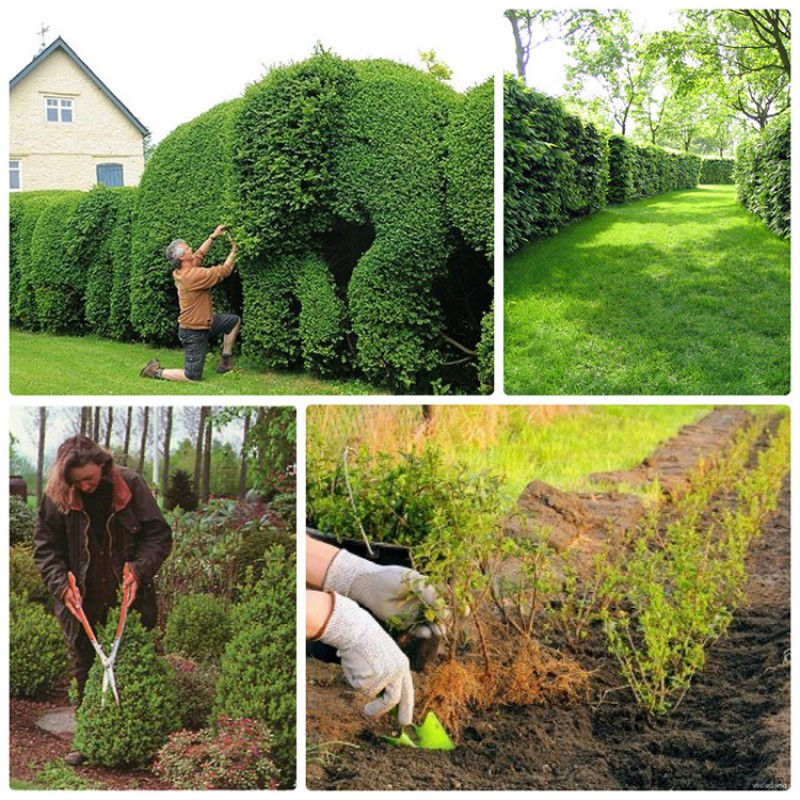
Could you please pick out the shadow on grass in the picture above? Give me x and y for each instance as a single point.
(687, 294)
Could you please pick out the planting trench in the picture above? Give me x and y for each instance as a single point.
(730, 732)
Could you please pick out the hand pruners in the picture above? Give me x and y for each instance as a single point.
(106, 661)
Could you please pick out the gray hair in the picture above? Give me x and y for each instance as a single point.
(175, 250)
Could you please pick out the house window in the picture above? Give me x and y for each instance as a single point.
(58, 109)
(14, 175)
(110, 175)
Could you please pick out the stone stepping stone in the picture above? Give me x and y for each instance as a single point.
(58, 721)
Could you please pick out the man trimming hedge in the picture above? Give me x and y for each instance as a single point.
(197, 322)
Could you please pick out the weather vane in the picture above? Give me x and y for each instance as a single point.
(42, 31)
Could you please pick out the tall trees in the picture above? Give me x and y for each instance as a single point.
(685, 86)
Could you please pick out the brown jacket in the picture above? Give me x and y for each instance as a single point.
(194, 286)
(138, 532)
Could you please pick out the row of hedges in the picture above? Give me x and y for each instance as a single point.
(355, 190)
(558, 168)
(717, 170)
(763, 175)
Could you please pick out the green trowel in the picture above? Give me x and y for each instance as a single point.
(431, 735)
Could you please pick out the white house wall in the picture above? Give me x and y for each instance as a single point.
(57, 155)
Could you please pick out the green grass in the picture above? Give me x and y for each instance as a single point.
(558, 445)
(42, 364)
(686, 293)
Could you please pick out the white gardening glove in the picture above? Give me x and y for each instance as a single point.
(389, 592)
(371, 661)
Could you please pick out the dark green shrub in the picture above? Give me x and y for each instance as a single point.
(235, 754)
(57, 274)
(128, 734)
(258, 678)
(195, 687)
(21, 521)
(539, 176)
(717, 170)
(24, 576)
(37, 653)
(198, 627)
(185, 192)
(99, 214)
(763, 175)
(621, 159)
(119, 323)
(180, 493)
(588, 148)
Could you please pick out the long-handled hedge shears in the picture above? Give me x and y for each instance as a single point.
(106, 661)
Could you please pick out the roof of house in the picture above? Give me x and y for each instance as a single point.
(60, 44)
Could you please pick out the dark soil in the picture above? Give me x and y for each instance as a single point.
(732, 730)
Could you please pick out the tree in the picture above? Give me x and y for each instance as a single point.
(621, 63)
(180, 493)
(143, 448)
(166, 449)
(40, 454)
(126, 447)
(248, 414)
(205, 412)
(740, 56)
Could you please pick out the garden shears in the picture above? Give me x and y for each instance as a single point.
(106, 661)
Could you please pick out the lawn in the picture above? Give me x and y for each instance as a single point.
(42, 364)
(560, 445)
(682, 294)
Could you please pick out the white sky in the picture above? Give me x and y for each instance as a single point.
(169, 62)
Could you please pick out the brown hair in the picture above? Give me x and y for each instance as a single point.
(77, 451)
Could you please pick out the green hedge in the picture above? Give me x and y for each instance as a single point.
(763, 175)
(356, 191)
(558, 168)
(717, 170)
(185, 193)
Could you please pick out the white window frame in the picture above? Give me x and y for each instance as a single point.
(18, 170)
(60, 104)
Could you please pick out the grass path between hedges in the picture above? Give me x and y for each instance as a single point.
(41, 364)
(686, 293)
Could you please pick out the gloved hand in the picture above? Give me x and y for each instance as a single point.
(389, 592)
(371, 661)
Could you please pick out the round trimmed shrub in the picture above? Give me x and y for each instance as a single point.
(131, 733)
(195, 685)
(198, 627)
(24, 576)
(21, 521)
(234, 754)
(258, 679)
(37, 653)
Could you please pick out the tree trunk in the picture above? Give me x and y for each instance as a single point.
(40, 454)
(206, 482)
(167, 444)
(109, 426)
(243, 471)
(96, 424)
(519, 49)
(127, 444)
(143, 448)
(198, 451)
